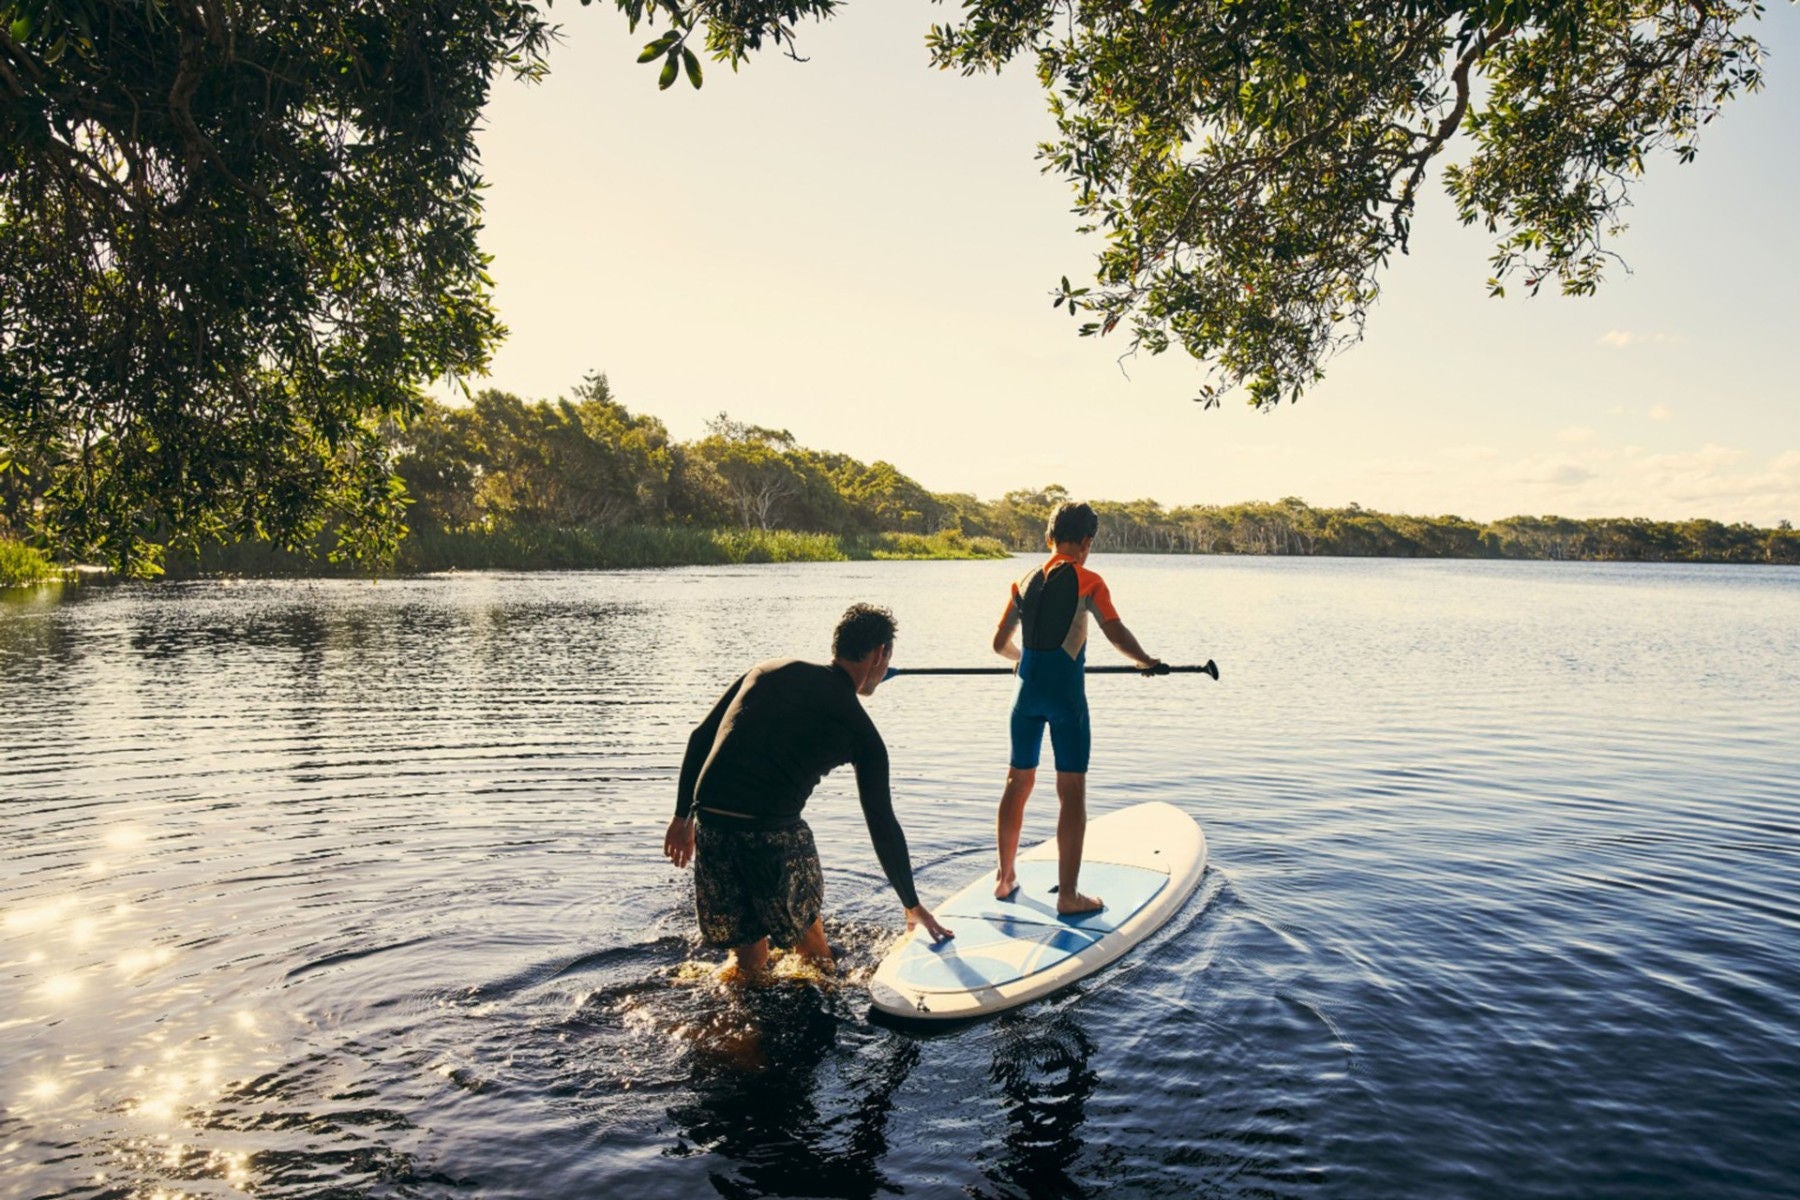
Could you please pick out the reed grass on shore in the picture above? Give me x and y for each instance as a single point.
(21, 565)
(566, 548)
(527, 547)
(946, 543)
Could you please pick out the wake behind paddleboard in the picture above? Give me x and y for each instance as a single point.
(1144, 861)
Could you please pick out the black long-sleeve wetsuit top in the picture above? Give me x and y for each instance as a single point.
(770, 739)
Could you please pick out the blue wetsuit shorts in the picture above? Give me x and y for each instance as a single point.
(1051, 692)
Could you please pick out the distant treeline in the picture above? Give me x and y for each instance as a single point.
(504, 482)
(1292, 526)
(586, 461)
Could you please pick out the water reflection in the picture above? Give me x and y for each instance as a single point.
(1042, 1068)
(43, 1090)
(37, 646)
(798, 1104)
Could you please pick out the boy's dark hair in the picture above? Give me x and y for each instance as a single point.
(1071, 522)
(865, 627)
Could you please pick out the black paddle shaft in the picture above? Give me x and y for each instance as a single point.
(1209, 668)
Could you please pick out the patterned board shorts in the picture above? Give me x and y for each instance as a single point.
(756, 883)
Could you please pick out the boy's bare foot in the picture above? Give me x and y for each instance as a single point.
(1005, 887)
(1076, 904)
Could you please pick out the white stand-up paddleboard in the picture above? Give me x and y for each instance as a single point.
(1143, 861)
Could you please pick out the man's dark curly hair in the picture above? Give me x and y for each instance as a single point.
(1071, 522)
(865, 627)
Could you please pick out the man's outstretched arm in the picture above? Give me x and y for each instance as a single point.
(678, 839)
(885, 832)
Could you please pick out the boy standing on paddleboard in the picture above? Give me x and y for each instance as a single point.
(1050, 608)
(749, 767)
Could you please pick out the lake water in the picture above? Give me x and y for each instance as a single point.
(346, 889)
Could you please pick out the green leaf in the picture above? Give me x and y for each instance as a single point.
(669, 71)
(692, 63)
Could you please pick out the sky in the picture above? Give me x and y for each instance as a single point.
(860, 249)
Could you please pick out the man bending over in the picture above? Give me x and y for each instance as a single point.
(749, 768)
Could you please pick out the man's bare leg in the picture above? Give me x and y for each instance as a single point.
(1007, 827)
(1071, 832)
(813, 947)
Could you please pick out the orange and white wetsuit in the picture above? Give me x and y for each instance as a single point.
(1050, 608)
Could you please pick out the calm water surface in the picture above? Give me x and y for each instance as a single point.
(318, 889)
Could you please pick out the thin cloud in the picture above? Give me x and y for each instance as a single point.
(1556, 473)
(1620, 339)
(1472, 453)
(1656, 412)
(1596, 480)
(1569, 474)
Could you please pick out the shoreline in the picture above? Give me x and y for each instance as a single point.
(525, 548)
(322, 570)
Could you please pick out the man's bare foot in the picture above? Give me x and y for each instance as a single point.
(748, 963)
(1005, 886)
(825, 965)
(734, 970)
(1075, 905)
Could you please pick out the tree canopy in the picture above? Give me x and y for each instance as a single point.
(1254, 164)
(236, 240)
(586, 460)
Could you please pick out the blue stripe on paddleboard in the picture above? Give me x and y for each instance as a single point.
(999, 941)
(993, 954)
(1125, 890)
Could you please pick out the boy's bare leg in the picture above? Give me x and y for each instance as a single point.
(1007, 826)
(752, 958)
(813, 947)
(1071, 832)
